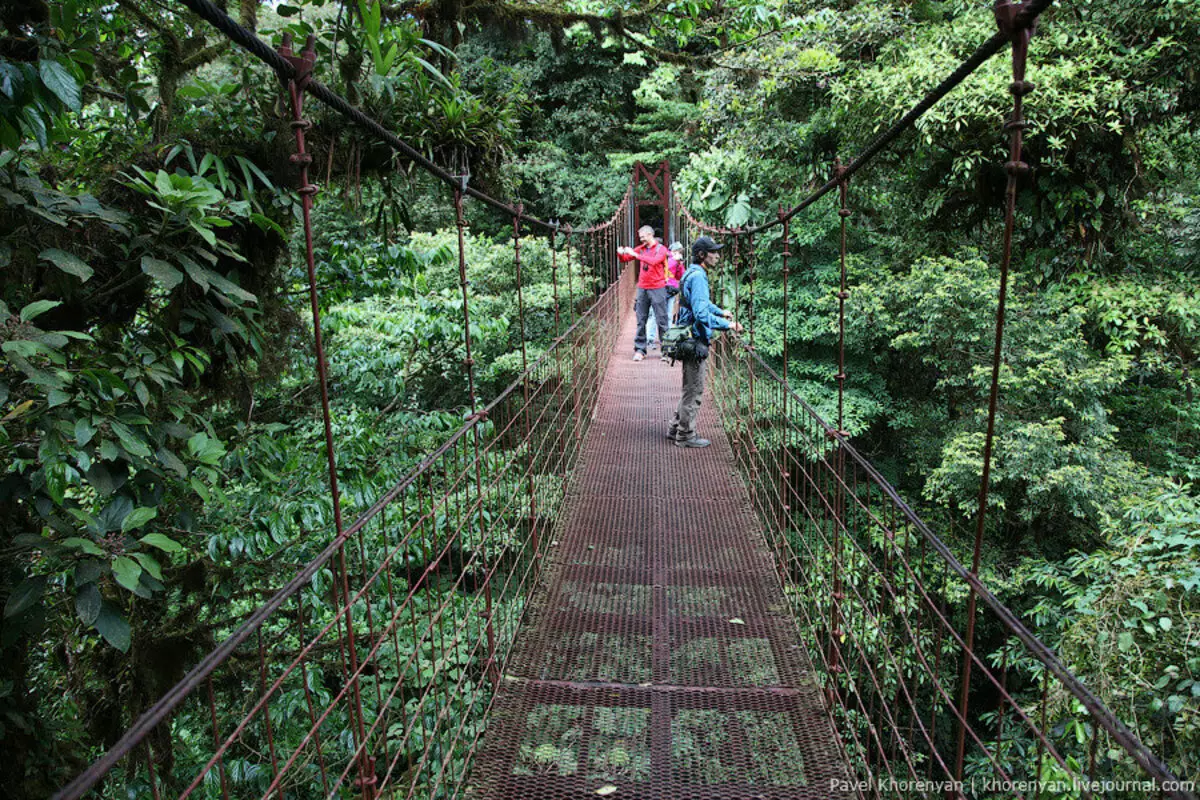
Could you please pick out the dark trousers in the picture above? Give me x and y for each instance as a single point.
(646, 298)
(684, 424)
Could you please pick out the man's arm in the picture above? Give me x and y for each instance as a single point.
(703, 310)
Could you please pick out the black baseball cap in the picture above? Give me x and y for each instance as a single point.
(705, 244)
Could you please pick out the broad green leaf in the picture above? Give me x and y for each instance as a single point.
(229, 287)
(137, 518)
(197, 273)
(434, 72)
(83, 545)
(88, 603)
(113, 514)
(267, 224)
(20, 408)
(247, 164)
(204, 232)
(84, 431)
(164, 543)
(60, 82)
(171, 462)
(101, 479)
(132, 444)
(149, 564)
(162, 182)
(88, 570)
(126, 571)
(56, 481)
(26, 349)
(68, 263)
(162, 272)
(91, 520)
(113, 627)
(206, 450)
(37, 308)
(28, 592)
(200, 488)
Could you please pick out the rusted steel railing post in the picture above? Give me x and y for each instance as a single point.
(479, 417)
(302, 159)
(842, 295)
(574, 377)
(836, 617)
(1010, 23)
(784, 506)
(216, 738)
(559, 376)
(734, 265)
(151, 773)
(525, 380)
(752, 275)
(554, 279)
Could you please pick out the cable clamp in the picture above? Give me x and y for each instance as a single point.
(1010, 19)
(303, 63)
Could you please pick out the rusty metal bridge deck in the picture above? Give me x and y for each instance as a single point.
(659, 656)
(650, 649)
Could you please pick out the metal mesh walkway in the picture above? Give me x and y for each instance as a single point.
(659, 657)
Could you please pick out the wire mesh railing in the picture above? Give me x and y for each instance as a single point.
(371, 673)
(934, 685)
(882, 605)
(372, 670)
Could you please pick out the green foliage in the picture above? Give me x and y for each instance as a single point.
(722, 184)
(1125, 617)
(1055, 448)
(585, 97)
(158, 420)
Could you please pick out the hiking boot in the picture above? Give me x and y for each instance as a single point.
(695, 441)
(639, 355)
(673, 435)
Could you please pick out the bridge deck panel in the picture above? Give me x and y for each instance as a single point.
(658, 655)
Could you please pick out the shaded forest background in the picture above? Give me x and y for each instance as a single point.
(159, 421)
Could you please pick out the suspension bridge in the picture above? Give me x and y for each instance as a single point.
(557, 603)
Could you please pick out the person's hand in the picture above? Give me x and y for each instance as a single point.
(728, 315)
(737, 327)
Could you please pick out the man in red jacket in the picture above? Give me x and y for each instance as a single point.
(652, 285)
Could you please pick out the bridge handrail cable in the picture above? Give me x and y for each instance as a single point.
(1095, 706)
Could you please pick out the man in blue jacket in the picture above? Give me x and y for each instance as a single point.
(697, 310)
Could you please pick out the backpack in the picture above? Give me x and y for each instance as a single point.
(678, 343)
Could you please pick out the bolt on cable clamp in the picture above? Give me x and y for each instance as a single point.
(1010, 20)
(303, 64)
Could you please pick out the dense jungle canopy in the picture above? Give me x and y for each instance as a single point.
(159, 420)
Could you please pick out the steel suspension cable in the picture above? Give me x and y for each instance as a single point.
(287, 71)
(1025, 18)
